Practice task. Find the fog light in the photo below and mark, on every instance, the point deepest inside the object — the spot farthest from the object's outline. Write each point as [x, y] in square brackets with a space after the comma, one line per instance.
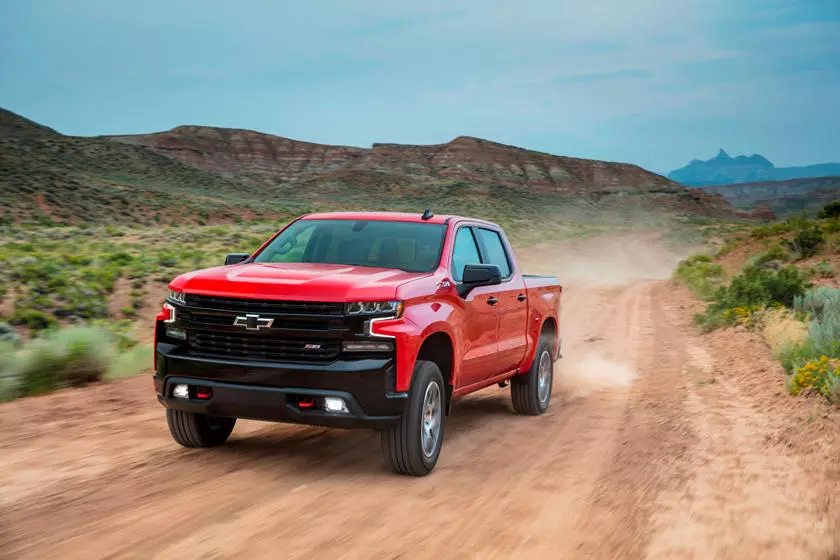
[181, 391]
[367, 346]
[178, 334]
[334, 404]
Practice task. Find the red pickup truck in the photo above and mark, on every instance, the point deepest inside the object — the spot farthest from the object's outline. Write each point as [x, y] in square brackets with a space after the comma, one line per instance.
[357, 319]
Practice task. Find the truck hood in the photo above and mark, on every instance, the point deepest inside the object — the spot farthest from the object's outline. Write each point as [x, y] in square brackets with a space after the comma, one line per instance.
[298, 281]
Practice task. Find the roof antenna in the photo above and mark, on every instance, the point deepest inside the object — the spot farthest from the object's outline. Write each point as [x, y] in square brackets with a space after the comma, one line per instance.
[427, 214]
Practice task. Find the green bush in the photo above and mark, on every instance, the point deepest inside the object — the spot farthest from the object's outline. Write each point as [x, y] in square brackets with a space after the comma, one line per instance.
[761, 287]
[119, 332]
[8, 336]
[823, 269]
[818, 302]
[134, 362]
[755, 288]
[824, 335]
[806, 242]
[34, 319]
[69, 357]
[776, 254]
[38, 367]
[831, 210]
[701, 275]
[88, 353]
[762, 232]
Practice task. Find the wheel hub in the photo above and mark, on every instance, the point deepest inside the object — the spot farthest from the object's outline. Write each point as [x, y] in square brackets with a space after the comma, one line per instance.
[431, 419]
[544, 376]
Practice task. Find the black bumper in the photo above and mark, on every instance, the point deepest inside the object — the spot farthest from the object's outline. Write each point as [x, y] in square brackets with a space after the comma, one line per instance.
[268, 391]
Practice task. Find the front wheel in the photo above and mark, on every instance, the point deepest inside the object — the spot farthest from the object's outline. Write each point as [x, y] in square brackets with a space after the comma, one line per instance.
[198, 430]
[531, 392]
[413, 445]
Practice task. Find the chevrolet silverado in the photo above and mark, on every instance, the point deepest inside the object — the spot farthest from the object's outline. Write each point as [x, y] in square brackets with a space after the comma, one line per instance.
[357, 320]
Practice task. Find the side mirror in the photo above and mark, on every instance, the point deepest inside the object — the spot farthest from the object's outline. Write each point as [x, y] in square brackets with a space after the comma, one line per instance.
[236, 258]
[476, 275]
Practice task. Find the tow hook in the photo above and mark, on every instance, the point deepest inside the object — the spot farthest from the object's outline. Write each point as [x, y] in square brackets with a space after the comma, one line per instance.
[503, 384]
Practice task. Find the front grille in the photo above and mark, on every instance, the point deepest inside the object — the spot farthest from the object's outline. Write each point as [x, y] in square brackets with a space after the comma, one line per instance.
[261, 348]
[189, 317]
[265, 305]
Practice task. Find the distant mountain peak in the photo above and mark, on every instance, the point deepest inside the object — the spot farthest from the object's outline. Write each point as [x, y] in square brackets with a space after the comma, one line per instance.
[724, 170]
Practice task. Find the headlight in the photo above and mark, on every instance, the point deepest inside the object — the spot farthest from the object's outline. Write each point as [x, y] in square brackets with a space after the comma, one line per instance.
[390, 308]
[177, 297]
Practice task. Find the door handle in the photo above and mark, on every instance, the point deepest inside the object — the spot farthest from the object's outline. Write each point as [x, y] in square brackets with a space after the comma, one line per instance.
[492, 301]
[521, 297]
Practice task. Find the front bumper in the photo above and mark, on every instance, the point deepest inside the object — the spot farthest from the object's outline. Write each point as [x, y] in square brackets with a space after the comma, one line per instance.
[272, 391]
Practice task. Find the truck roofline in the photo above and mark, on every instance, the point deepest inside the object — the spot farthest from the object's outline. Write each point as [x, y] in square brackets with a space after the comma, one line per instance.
[393, 216]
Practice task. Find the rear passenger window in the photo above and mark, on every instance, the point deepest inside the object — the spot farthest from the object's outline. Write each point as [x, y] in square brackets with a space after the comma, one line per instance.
[465, 252]
[495, 249]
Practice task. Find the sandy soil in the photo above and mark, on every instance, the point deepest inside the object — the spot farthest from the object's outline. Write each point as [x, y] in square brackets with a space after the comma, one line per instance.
[659, 443]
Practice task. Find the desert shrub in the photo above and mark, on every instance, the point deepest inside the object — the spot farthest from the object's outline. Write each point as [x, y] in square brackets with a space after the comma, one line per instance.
[820, 374]
[68, 357]
[37, 368]
[745, 316]
[136, 361]
[701, 275]
[785, 332]
[120, 333]
[823, 269]
[771, 230]
[818, 302]
[167, 260]
[831, 210]
[33, 319]
[750, 291]
[7, 354]
[761, 287]
[832, 226]
[88, 354]
[8, 377]
[806, 242]
[777, 254]
[8, 335]
[824, 335]
[728, 248]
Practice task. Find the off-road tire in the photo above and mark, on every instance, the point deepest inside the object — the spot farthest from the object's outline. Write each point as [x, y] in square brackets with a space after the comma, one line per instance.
[525, 389]
[402, 444]
[198, 430]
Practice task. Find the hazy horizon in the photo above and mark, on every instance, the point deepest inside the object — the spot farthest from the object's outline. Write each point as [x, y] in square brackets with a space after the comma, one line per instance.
[654, 83]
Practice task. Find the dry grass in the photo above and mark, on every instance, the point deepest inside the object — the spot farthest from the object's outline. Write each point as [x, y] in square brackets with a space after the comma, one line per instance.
[781, 329]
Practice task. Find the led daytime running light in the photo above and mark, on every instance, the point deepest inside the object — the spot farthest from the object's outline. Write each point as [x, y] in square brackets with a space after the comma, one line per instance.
[394, 308]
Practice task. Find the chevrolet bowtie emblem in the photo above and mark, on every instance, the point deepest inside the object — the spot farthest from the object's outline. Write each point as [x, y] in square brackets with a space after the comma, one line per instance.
[253, 322]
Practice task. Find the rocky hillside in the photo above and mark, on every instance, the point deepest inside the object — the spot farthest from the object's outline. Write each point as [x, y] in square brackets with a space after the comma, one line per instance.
[49, 177]
[194, 174]
[783, 197]
[724, 169]
[266, 159]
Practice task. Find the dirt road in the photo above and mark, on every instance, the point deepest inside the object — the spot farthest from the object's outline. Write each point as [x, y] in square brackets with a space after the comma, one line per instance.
[652, 448]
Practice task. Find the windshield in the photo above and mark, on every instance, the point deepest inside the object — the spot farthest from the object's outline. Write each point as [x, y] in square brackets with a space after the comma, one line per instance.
[408, 246]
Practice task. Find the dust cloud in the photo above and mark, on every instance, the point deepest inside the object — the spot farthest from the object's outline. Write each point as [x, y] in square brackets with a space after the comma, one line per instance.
[594, 272]
[580, 377]
[603, 261]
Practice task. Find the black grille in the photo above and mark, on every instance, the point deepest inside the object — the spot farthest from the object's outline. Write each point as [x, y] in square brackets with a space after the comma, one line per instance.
[215, 320]
[252, 347]
[265, 305]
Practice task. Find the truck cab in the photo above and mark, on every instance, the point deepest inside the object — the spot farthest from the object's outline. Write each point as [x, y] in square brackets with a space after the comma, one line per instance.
[357, 320]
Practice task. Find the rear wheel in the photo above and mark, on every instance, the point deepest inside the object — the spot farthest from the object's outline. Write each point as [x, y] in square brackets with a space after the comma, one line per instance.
[198, 430]
[531, 392]
[413, 445]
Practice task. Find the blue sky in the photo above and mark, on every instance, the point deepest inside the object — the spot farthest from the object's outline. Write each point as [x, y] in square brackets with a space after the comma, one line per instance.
[653, 82]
